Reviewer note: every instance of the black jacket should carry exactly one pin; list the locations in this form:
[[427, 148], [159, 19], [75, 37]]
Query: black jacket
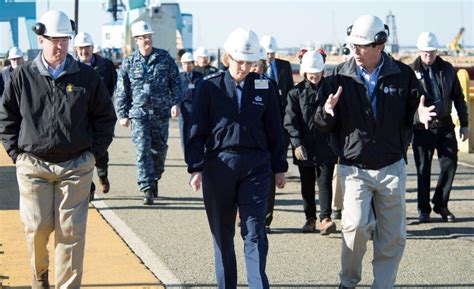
[[106, 69], [358, 138], [187, 103], [207, 70], [217, 124], [451, 91], [284, 81], [4, 77], [56, 120], [299, 123]]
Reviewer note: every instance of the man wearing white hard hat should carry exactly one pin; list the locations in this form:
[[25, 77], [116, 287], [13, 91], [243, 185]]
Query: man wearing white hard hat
[[442, 89], [280, 71], [202, 62], [56, 119], [369, 106], [148, 93], [84, 48], [15, 56], [189, 79], [235, 145], [311, 151]]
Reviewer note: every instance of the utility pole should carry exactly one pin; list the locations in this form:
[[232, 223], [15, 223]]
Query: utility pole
[[76, 15]]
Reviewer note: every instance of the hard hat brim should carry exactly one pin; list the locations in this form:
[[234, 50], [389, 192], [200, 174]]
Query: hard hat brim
[[310, 70], [141, 34], [357, 40], [70, 35], [427, 48], [84, 44], [14, 57], [245, 57]]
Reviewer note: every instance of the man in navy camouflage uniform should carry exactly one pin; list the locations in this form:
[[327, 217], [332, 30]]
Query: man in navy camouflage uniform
[[148, 88]]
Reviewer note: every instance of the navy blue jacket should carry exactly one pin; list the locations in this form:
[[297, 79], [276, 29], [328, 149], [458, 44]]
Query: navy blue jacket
[[217, 124]]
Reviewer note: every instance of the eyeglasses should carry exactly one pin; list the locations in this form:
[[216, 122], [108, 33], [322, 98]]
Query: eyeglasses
[[357, 46], [57, 40]]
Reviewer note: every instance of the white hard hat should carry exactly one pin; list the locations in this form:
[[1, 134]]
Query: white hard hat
[[83, 39], [427, 41], [15, 52], [56, 24], [263, 54], [97, 49], [201, 52], [140, 28], [312, 62], [242, 44], [187, 57], [269, 43], [367, 29]]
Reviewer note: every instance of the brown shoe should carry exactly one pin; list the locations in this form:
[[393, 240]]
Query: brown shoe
[[446, 215], [104, 184], [327, 226], [40, 282], [309, 226]]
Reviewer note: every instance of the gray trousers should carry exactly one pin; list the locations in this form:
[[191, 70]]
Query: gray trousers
[[55, 197], [386, 188]]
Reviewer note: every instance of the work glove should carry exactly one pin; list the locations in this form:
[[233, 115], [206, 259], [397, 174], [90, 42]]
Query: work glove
[[464, 133], [300, 153]]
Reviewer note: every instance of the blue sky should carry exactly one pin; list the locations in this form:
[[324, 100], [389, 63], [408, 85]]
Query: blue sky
[[294, 23]]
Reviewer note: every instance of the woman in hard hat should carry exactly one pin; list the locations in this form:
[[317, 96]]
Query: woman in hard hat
[[235, 145], [311, 151]]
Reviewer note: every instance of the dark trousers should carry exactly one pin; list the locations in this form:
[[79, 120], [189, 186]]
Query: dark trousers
[[321, 174], [270, 201], [240, 180], [102, 164], [425, 142], [184, 124]]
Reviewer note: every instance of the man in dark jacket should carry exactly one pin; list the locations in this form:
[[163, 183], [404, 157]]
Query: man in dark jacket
[[15, 56], [84, 47], [442, 89], [369, 117], [56, 118], [280, 72]]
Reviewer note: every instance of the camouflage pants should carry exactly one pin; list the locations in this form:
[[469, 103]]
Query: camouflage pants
[[150, 137]]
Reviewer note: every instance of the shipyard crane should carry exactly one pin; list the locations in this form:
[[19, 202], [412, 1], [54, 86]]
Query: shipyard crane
[[454, 45]]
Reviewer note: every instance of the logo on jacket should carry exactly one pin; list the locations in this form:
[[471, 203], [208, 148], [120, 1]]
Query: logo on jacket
[[69, 87], [258, 100]]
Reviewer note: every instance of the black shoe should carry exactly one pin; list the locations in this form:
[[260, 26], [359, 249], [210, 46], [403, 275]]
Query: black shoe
[[424, 218], [148, 198], [104, 184], [336, 214], [344, 287], [446, 215]]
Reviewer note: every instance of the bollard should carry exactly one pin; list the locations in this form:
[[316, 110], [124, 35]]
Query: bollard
[[467, 146]]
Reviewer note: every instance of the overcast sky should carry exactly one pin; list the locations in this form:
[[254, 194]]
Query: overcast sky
[[293, 23]]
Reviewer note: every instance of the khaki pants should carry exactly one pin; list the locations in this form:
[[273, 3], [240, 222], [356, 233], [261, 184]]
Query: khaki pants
[[55, 197], [338, 194], [386, 187]]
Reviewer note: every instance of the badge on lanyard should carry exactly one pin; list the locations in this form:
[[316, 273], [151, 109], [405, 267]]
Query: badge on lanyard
[[146, 88], [191, 86], [261, 84]]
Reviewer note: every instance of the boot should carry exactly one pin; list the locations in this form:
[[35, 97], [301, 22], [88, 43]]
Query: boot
[[104, 184], [148, 197], [92, 192]]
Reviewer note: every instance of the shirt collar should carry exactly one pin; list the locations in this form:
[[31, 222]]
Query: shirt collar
[[363, 72], [54, 71]]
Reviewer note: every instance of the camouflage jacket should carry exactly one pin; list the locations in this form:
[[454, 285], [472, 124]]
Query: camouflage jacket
[[148, 87]]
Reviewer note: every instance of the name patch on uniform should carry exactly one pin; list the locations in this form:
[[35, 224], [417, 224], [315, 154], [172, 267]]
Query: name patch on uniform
[[146, 88], [191, 86], [261, 84], [162, 66]]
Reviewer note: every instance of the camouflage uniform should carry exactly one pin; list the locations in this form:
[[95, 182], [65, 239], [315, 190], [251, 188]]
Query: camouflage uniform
[[147, 88]]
